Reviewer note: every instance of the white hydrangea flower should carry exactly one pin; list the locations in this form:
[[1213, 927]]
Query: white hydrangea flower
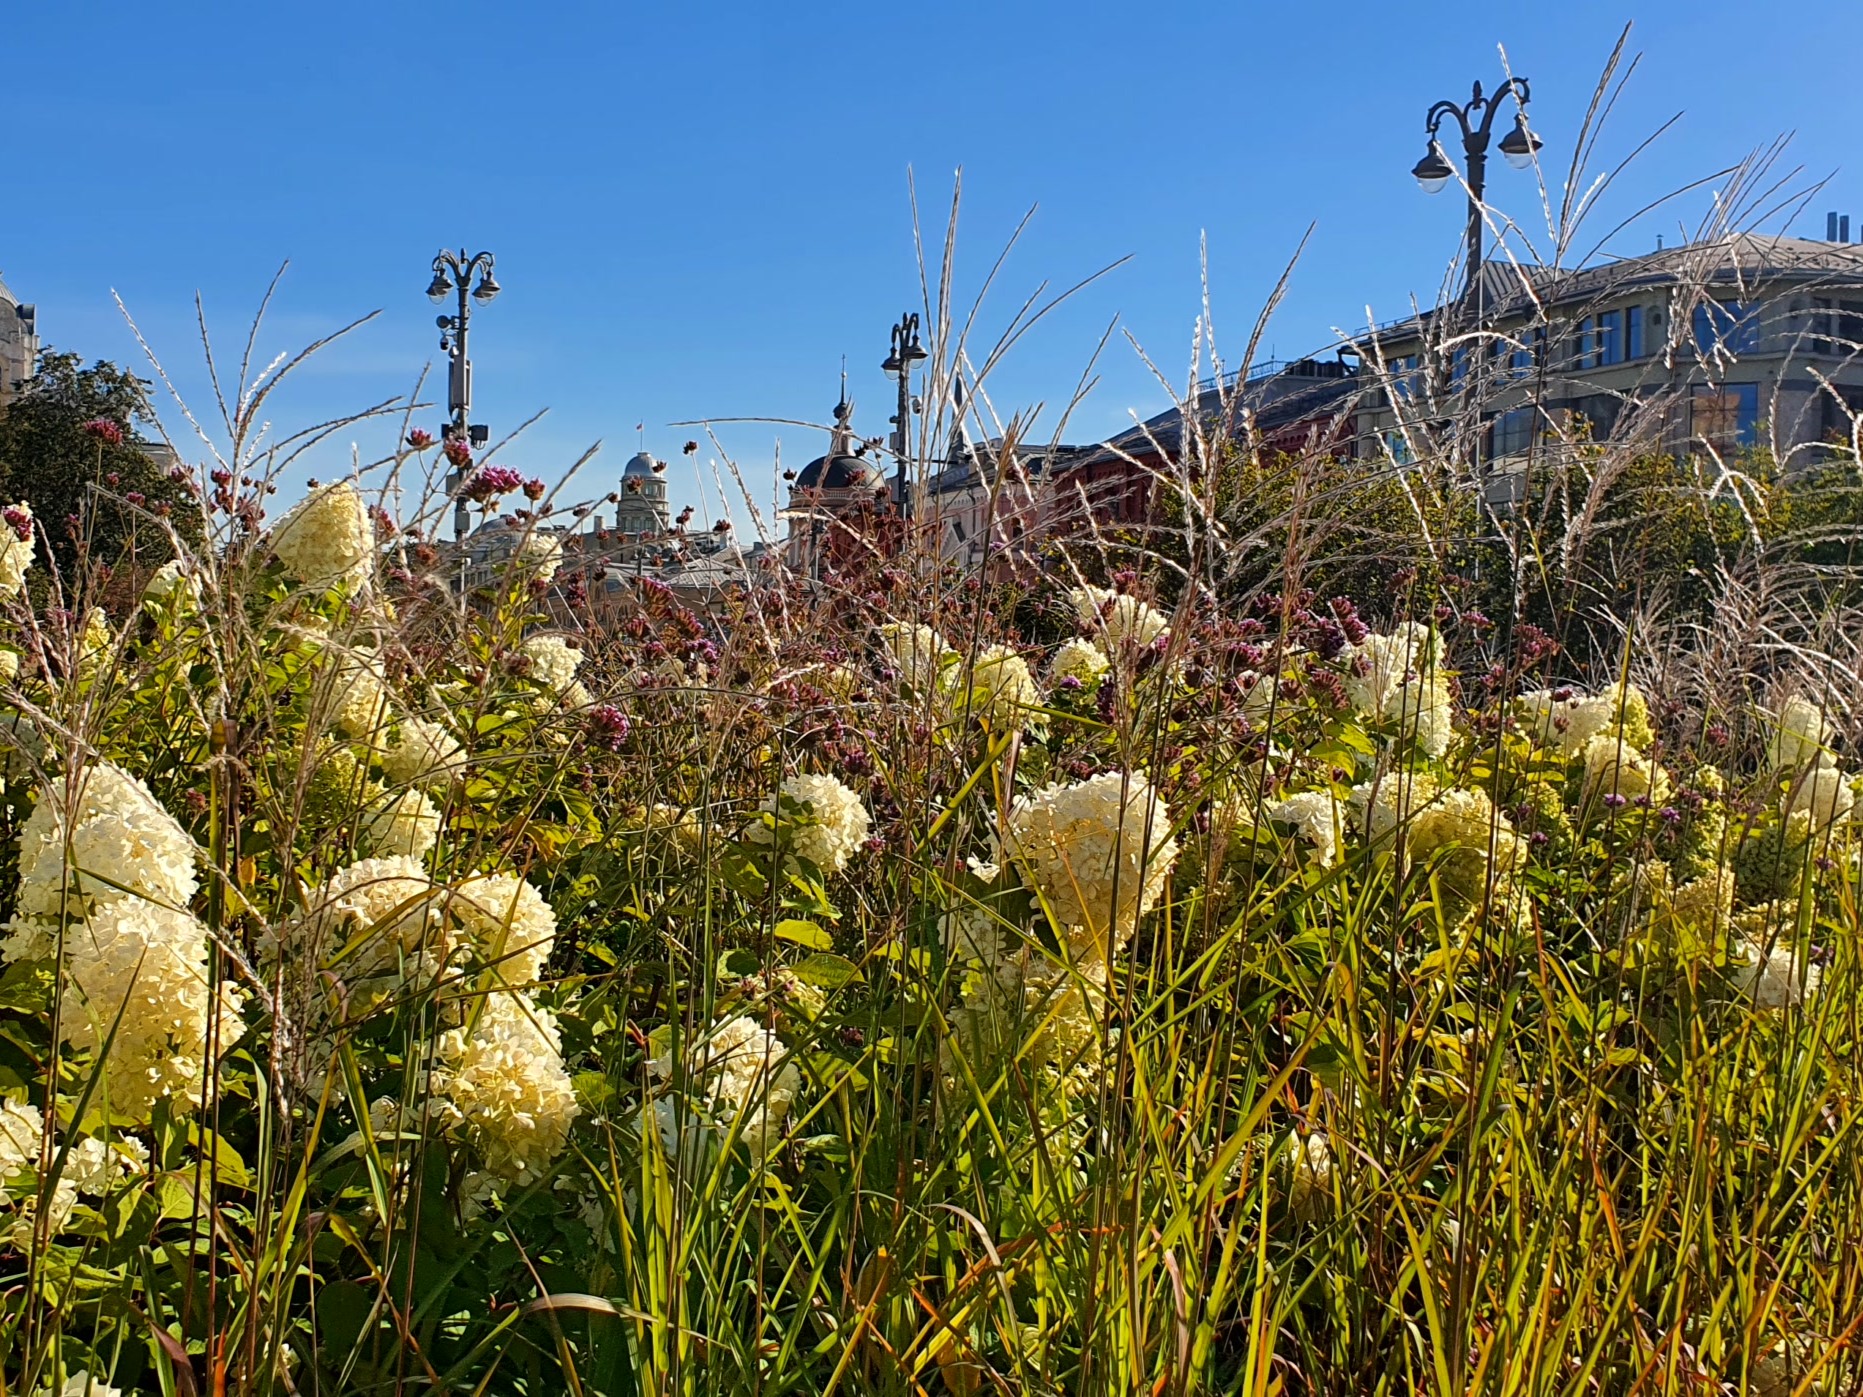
[[1778, 979], [743, 1071], [1003, 687], [1020, 1003], [421, 752], [1800, 737], [9, 665], [553, 665], [173, 585], [1420, 708], [1317, 817], [1078, 659], [1568, 724], [373, 917], [508, 922], [148, 964], [95, 1166], [1824, 793], [1099, 852], [21, 1129], [1377, 665], [502, 1079], [1614, 768], [1382, 807], [328, 538], [1119, 621], [95, 640], [832, 827], [122, 845], [402, 824], [19, 1225], [1309, 1164], [82, 1384], [919, 653], [1463, 830], [17, 535], [539, 555], [360, 704]]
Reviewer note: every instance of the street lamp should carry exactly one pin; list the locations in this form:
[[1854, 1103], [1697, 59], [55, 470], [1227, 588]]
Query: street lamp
[[1476, 118], [454, 272], [905, 353]]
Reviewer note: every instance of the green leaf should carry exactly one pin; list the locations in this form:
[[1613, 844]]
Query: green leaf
[[824, 971], [804, 934]]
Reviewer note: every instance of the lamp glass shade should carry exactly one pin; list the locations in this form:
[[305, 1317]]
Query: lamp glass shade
[[1519, 145], [1432, 171], [486, 289], [438, 287]]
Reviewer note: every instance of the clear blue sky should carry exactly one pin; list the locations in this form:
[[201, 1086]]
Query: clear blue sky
[[698, 209]]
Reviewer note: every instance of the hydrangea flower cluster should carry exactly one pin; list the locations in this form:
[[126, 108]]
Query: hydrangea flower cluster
[[102, 862], [919, 654], [741, 1074], [553, 665], [1118, 621], [500, 1080], [327, 539], [817, 818]]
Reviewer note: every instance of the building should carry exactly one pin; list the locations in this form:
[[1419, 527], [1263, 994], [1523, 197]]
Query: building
[[19, 343], [840, 504], [1719, 346], [641, 508]]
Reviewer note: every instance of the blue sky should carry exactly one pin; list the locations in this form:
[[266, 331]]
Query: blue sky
[[699, 209]]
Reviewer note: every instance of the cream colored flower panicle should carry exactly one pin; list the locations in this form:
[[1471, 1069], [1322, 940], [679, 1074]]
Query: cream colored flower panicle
[[1002, 686], [829, 829], [553, 664], [1824, 794], [1378, 665], [22, 1128], [1568, 724], [539, 555], [16, 544], [1778, 979], [1118, 621], [421, 752], [174, 586], [1389, 804], [1099, 852], [373, 917], [743, 1071], [508, 923], [502, 1080], [1469, 842], [360, 705], [1078, 659], [919, 653], [1613, 768], [141, 971], [1800, 737], [1318, 818], [402, 824], [1419, 708], [122, 845], [1021, 1004], [328, 538]]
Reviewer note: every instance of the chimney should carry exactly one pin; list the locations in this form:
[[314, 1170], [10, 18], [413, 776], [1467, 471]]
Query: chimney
[[1830, 227]]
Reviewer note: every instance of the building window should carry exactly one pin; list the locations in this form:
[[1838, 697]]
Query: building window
[[1724, 416], [1731, 326], [1514, 431], [1406, 377], [1458, 367], [1836, 327], [1633, 332], [1397, 447], [1526, 351], [1598, 414]]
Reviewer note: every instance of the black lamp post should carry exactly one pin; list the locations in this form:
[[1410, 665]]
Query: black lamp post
[[905, 353], [453, 272], [1476, 118]]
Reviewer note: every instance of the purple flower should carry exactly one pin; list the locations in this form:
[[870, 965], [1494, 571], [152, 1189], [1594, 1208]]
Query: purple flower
[[487, 483], [609, 726], [1615, 802], [102, 429], [19, 522]]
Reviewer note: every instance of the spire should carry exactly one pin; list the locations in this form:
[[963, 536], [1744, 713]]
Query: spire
[[959, 452], [841, 436]]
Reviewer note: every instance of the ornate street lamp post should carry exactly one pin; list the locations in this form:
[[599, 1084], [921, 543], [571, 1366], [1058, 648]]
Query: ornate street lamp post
[[1475, 117], [454, 272], [906, 352]]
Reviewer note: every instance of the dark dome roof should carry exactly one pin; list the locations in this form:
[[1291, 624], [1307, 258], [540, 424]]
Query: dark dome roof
[[838, 472], [640, 465]]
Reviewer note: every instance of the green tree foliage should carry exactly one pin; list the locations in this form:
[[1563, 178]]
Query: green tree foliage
[[53, 455]]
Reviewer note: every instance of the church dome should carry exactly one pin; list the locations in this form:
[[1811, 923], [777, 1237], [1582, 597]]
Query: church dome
[[837, 472], [642, 464]]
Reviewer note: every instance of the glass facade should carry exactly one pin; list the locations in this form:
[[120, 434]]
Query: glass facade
[[1724, 416], [1731, 326]]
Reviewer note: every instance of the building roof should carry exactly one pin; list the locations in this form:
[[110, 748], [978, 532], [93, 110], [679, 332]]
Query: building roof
[[642, 464], [841, 471], [1734, 262]]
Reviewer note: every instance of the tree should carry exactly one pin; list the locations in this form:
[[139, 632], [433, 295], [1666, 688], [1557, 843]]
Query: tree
[[68, 446]]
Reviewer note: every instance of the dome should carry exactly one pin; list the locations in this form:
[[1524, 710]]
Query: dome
[[642, 464], [838, 472]]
